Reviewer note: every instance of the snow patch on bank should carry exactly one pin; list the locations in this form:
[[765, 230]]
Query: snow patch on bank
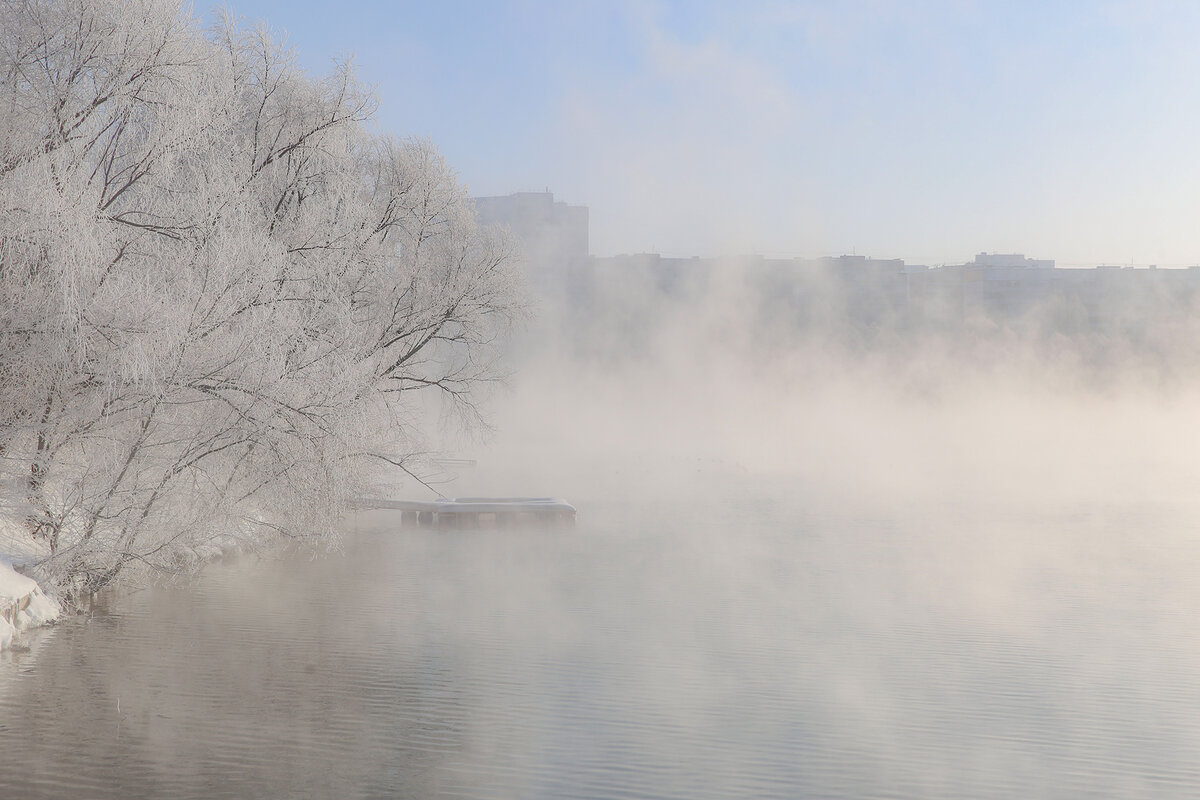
[[23, 604]]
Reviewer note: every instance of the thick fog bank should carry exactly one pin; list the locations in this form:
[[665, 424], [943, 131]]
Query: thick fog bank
[[939, 420]]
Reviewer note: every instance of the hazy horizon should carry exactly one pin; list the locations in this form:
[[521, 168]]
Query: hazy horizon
[[921, 131]]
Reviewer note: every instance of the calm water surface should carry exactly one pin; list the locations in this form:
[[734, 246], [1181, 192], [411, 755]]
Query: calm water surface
[[743, 646]]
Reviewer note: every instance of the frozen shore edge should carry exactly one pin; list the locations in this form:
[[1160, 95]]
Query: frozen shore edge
[[23, 605]]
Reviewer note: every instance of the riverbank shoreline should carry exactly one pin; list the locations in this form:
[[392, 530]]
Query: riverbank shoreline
[[23, 605]]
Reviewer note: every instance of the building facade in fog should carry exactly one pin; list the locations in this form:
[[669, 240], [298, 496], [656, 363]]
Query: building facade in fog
[[1009, 287], [552, 235]]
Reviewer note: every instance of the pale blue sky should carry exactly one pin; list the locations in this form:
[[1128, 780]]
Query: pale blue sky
[[927, 131]]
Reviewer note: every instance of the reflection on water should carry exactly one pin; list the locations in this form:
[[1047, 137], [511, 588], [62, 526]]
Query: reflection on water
[[750, 648]]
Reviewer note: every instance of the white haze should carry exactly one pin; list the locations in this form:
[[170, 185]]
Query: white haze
[[955, 519], [998, 492], [1004, 421]]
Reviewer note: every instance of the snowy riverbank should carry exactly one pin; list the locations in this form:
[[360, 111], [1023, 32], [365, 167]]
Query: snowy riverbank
[[23, 604]]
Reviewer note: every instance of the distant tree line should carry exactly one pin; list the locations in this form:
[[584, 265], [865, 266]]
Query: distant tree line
[[219, 291]]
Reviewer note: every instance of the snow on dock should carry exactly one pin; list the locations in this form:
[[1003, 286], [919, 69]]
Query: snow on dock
[[476, 512]]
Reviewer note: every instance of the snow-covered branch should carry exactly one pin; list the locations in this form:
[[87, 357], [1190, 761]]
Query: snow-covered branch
[[216, 286]]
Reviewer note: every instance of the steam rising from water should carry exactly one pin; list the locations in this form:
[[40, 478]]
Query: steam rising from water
[[965, 564], [997, 422], [1005, 484], [825, 572]]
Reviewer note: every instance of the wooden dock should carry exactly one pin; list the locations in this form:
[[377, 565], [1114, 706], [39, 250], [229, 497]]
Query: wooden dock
[[479, 512]]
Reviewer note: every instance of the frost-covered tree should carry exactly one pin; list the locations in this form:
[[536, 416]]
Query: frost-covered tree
[[218, 290]]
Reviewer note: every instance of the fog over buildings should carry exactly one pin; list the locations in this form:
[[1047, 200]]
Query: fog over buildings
[[866, 293]]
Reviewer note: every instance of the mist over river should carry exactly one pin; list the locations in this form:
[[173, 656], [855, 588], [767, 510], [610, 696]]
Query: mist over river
[[756, 636], [862, 512]]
